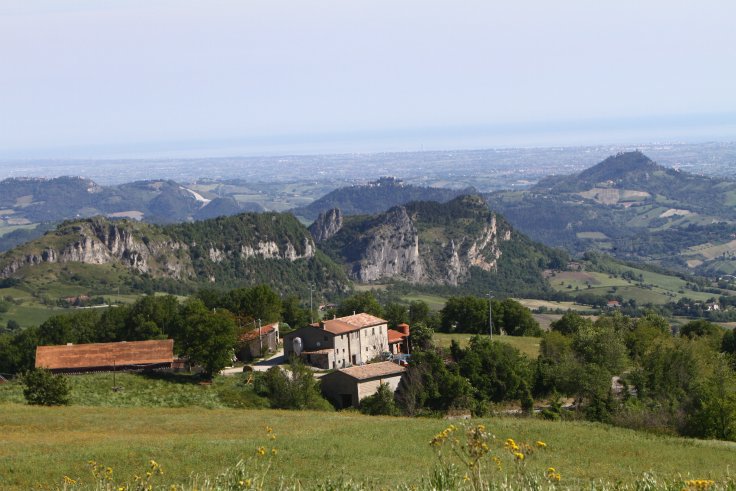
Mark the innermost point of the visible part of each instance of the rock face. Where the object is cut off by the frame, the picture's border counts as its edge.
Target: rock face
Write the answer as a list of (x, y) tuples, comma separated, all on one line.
[(326, 225), (391, 250), (265, 250), (177, 252), (423, 243), (99, 241)]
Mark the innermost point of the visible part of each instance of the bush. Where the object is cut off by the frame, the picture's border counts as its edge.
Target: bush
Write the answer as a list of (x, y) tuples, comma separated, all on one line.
[(296, 390), (380, 403), (43, 388)]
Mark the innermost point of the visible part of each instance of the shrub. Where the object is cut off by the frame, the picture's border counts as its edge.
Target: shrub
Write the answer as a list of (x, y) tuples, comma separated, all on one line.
[(43, 388), (380, 403)]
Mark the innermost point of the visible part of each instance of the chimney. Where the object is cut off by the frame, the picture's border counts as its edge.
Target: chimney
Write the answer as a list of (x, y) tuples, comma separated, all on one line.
[(321, 324), (403, 329)]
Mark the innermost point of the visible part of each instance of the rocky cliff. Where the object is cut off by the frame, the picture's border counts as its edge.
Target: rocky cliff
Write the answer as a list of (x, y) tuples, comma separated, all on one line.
[(389, 249), (422, 242), (250, 248), (99, 241), (327, 225)]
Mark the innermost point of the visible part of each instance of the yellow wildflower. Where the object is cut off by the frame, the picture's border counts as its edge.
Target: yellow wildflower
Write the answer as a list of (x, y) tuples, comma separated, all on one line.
[(519, 456), (541, 444)]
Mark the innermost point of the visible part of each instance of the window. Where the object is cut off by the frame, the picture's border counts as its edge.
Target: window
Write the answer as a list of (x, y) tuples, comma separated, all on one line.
[(373, 331)]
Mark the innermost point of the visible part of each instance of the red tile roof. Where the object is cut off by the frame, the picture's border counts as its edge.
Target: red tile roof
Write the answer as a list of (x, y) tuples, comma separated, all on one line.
[(374, 370), (97, 355), (395, 336), (350, 323), (255, 333), (362, 320)]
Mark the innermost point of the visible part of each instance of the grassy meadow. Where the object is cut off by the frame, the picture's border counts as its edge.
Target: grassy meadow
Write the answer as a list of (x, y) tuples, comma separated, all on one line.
[(42, 445), (151, 390), (526, 344), (654, 288)]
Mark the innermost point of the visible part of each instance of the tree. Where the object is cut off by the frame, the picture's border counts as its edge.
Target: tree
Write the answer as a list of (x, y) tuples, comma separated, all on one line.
[(701, 328), (208, 338), (420, 337), (498, 371), (570, 323), (601, 345), (12, 325), (151, 317), (293, 314), (360, 302), (516, 320), (395, 314), (466, 314), (418, 311), (728, 343), (43, 388), (258, 302), (715, 412), (430, 384), (557, 368), (653, 320)]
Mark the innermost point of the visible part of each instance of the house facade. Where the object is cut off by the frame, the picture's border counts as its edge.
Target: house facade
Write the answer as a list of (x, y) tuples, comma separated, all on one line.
[(341, 342), (348, 386)]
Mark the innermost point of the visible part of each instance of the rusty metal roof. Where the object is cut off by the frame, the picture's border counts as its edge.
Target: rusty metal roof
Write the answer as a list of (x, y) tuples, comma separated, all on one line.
[(95, 355), (255, 333)]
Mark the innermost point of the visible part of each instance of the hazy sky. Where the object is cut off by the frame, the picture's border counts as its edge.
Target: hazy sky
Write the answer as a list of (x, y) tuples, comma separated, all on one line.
[(80, 78)]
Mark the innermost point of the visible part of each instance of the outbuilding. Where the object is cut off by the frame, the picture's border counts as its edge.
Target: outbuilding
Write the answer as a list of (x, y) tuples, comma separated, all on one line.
[(94, 357), (348, 386)]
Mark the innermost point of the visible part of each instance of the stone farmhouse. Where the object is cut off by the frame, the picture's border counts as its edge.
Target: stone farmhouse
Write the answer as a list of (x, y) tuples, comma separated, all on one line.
[(341, 342)]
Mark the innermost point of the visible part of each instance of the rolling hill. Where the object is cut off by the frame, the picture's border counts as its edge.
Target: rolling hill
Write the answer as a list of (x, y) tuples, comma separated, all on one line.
[(30, 207), (634, 209), (376, 197)]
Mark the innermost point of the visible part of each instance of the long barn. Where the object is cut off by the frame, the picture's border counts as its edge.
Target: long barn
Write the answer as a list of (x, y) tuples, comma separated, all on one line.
[(95, 357)]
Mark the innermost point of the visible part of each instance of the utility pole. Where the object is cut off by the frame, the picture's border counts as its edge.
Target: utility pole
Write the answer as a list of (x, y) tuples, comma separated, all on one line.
[(490, 314), (311, 309), (260, 338)]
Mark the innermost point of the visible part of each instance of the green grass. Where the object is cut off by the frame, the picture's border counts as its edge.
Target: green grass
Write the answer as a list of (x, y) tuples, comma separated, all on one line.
[(154, 390), (6, 229), (658, 288), (534, 304), (41, 445), (592, 235), (527, 345), (435, 302)]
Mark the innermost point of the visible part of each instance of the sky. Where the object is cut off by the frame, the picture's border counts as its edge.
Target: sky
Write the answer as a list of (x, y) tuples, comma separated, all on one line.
[(87, 78)]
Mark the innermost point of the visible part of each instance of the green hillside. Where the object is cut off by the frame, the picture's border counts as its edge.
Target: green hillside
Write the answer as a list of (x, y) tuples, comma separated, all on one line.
[(376, 197), (634, 209)]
